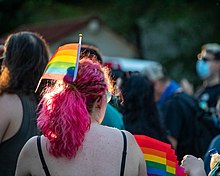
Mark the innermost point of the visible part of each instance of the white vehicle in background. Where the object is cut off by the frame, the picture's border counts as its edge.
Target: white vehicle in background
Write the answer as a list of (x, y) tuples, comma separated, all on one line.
[(129, 64)]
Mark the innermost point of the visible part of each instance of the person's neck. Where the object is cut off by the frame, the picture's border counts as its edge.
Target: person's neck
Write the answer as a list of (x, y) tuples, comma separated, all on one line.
[(211, 81), (94, 121), (165, 85)]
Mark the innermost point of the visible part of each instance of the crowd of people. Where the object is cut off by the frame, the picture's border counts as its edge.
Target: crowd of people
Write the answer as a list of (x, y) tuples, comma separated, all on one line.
[(86, 127)]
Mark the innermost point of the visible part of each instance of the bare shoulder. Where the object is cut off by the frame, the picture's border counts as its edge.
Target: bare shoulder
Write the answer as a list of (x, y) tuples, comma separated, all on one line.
[(116, 132), (28, 155), (29, 147), (5, 113), (132, 144), (136, 154), (8, 103), (130, 137), (4, 101)]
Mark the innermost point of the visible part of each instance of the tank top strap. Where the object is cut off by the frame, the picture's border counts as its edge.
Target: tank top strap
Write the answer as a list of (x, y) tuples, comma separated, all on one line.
[(43, 162), (124, 154)]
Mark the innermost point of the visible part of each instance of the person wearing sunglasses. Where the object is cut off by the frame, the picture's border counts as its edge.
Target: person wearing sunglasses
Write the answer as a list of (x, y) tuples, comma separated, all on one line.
[(208, 69)]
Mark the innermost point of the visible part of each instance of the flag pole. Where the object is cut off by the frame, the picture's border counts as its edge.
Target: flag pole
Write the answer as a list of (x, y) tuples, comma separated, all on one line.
[(38, 84), (78, 56), (80, 38)]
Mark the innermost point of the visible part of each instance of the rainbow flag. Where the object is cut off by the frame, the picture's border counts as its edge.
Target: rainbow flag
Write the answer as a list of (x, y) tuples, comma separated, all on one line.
[(64, 63), (160, 158)]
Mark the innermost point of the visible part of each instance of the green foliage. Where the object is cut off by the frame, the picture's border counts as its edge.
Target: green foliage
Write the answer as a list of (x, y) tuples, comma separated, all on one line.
[(197, 22)]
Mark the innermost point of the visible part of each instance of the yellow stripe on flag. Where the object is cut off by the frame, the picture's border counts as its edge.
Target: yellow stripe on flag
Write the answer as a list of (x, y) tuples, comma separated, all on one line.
[(171, 170), (156, 159), (66, 53), (63, 59)]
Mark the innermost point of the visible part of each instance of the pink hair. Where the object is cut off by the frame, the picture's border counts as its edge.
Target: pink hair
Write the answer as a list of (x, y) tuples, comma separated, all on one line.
[(64, 116)]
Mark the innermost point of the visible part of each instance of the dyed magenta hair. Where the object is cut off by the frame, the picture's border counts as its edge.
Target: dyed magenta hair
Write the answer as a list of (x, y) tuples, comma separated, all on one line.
[(64, 117)]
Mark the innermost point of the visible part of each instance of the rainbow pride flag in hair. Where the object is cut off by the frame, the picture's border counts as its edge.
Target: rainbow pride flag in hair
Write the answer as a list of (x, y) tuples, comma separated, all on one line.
[(64, 63), (160, 157)]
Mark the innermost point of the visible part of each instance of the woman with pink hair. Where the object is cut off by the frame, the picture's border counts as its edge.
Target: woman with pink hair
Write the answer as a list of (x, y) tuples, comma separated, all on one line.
[(73, 141)]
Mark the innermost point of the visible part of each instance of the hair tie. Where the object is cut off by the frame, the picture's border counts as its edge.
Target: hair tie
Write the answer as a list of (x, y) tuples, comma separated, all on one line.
[(73, 87)]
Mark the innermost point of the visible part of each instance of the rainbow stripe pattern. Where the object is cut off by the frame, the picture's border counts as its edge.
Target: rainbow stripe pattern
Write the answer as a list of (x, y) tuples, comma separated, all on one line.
[(160, 157), (64, 63)]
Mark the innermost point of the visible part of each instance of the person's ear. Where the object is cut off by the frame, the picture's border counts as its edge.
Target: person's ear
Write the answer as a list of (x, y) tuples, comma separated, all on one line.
[(98, 102)]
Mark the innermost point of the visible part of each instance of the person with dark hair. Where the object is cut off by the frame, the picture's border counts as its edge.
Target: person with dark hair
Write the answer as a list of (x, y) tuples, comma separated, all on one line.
[(113, 118), (1, 54), (139, 110), (87, 50), (25, 57), (73, 141)]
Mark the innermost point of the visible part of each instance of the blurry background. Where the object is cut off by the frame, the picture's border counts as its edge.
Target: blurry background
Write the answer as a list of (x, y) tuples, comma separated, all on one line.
[(168, 31)]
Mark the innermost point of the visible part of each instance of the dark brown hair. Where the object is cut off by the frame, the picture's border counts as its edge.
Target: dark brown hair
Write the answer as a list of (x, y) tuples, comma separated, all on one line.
[(26, 55)]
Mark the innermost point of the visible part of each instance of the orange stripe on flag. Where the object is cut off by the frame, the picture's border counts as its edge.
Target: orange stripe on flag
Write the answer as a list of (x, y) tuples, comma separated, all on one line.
[(153, 152), (171, 163), (53, 76), (67, 52), (69, 47)]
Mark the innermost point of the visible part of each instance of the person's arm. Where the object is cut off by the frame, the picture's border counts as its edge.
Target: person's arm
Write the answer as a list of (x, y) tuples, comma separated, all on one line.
[(26, 158), (142, 171), (173, 121), (173, 141), (142, 167), (193, 166)]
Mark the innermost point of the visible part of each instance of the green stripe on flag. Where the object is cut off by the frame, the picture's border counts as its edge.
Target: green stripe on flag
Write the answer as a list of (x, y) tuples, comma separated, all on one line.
[(61, 65), (159, 166)]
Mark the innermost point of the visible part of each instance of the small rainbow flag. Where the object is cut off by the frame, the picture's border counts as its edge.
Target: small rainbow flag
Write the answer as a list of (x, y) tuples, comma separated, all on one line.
[(64, 63), (160, 157)]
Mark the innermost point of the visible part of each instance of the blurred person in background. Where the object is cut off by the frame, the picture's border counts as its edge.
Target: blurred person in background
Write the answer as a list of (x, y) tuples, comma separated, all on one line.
[(25, 57), (1, 54), (139, 109), (113, 118), (193, 166), (179, 112), (74, 142), (186, 86), (208, 69), (215, 143)]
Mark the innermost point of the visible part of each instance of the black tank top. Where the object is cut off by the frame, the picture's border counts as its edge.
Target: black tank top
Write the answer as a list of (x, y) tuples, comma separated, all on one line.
[(10, 149)]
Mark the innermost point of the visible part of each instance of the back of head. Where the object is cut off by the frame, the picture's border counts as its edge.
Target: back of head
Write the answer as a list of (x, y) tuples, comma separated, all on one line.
[(138, 93), (154, 72), (92, 52), (66, 110), (25, 57), (139, 111)]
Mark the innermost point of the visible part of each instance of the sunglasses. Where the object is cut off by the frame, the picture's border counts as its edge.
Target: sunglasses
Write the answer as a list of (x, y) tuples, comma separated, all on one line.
[(206, 59), (108, 96)]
